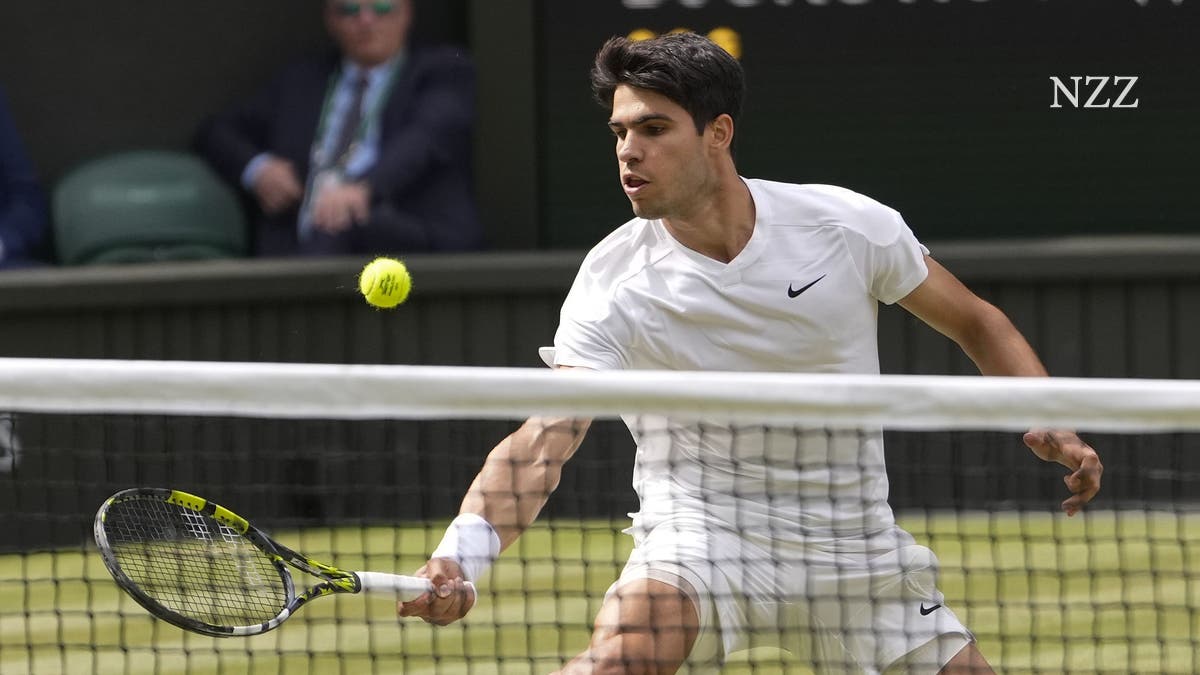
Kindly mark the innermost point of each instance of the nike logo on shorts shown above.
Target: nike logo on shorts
(793, 292)
(926, 611)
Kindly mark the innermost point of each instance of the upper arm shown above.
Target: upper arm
(948, 306)
(579, 424)
(555, 437)
(983, 331)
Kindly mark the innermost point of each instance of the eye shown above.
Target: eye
(656, 130)
(617, 132)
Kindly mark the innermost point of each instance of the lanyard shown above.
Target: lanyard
(363, 125)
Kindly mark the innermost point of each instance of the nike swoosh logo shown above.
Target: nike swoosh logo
(793, 292)
(927, 611)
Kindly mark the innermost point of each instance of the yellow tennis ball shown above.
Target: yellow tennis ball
(385, 282)
(639, 34)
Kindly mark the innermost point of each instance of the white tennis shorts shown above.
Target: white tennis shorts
(845, 607)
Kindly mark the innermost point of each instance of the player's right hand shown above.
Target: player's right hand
(277, 187)
(450, 600)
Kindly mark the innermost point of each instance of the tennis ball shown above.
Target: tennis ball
(384, 282)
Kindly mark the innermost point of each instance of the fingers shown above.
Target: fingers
(1084, 483)
(324, 213)
(360, 209)
(338, 207)
(277, 186)
(1066, 448)
(1044, 444)
(450, 600)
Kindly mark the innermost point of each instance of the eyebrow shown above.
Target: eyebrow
(648, 117)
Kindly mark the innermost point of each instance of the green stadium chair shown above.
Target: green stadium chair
(146, 206)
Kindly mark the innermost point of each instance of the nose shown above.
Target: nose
(628, 149)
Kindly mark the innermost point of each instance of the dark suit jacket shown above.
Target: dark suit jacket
(421, 185)
(22, 203)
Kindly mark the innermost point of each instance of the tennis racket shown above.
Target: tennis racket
(203, 568)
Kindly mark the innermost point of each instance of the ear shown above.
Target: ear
(720, 131)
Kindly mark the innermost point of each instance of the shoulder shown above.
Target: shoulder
(623, 256)
(815, 204)
(625, 253)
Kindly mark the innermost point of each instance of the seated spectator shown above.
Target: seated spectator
(22, 202)
(365, 151)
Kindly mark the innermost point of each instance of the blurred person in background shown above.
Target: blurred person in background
(367, 150)
(23, 222)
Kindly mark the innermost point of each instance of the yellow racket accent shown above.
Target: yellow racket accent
(201, 505)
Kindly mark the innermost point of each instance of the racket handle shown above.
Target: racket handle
(404, 587)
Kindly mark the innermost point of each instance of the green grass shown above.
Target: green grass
(1108, 592)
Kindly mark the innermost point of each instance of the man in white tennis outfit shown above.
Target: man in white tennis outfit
(758, 536)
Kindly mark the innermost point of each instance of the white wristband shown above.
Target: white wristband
(471, 542)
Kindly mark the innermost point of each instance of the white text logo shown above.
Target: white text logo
(1097, 91)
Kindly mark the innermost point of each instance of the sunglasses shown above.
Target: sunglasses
(349, 9)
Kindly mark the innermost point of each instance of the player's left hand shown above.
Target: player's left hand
(1068, 449)
(341, 205)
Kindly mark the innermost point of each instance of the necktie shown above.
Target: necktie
(350, 123)
(322, 165)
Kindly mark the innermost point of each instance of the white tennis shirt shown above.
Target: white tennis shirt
(802, 296)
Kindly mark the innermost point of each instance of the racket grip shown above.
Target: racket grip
(403, 586)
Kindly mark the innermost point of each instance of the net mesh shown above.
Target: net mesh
(1112, 590)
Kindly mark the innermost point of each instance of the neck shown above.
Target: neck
(721, 224)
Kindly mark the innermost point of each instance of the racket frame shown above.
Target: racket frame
(333, 580)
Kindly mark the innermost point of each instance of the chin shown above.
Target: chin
(646, 211)
(368, 56)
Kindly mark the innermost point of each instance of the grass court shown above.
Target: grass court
(1107, 592)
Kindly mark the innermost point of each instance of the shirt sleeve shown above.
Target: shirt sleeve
(900, 266)
(887, 253)
(592, 331)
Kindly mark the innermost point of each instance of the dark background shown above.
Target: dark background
(939, 108)
(89, 78)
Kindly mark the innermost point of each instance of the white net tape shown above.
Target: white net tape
(427, 392)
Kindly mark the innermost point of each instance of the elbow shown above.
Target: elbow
(998, 348)
(986, 324)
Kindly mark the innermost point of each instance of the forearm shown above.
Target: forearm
(521, 473)
(998, 348)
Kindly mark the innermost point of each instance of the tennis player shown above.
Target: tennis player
(745, 537)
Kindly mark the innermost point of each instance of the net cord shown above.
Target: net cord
(329, 391)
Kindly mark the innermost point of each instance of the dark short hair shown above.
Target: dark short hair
(691, 70)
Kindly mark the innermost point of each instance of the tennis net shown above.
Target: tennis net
(363, 466)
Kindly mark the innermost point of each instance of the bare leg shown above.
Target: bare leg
(646, 627)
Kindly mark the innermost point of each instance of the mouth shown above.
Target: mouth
(633, 184)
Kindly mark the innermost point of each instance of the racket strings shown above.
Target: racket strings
(193, 565)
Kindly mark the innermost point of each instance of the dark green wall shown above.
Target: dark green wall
(940, 109)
